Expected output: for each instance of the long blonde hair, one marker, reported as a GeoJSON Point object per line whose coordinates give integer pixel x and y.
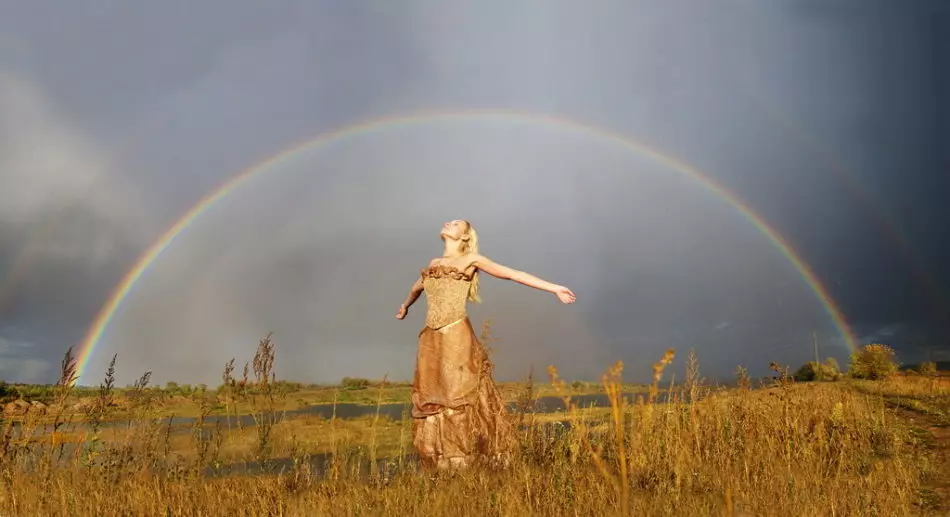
{"type": "Point", "coordinates": [471, 246]}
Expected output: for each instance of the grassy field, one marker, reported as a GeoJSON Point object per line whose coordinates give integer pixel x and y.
{"type": "Point", "coordinates": [189, 401]}
{"type": "Point", "coordinates": [848, 447]}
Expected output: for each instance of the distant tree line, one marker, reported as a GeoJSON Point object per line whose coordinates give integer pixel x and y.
{"type": "Point", "coordinates": [872, 362]}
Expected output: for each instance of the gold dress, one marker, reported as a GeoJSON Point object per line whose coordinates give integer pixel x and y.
{"type": "Point", "coordinates": [458, 414]}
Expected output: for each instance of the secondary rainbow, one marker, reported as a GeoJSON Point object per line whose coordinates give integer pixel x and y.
{"type": "Point", "coordinates": [101, 323]}
{"type": "Point", "coordinates": [884, 218]}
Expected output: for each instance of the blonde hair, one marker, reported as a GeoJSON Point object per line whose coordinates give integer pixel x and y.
{"type": "Point", "coordinates": [471, 246]}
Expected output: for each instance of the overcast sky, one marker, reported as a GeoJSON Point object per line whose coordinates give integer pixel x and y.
{"type": "Point", "coordinates": [828, 118]}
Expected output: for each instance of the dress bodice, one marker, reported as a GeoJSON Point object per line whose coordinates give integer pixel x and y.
{"type": "Point", "coordinates": [446, 289]}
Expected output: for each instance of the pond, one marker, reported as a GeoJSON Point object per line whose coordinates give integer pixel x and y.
{"type": "Point", "coordinates": [399, 411]}
{"type": "Point", "coordinates": [393, 411]}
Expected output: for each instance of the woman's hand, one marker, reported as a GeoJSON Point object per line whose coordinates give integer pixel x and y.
{"type": "Point", "coordinates": [564, 294]}
{"type": "Point", "coordinates": [402, 312]}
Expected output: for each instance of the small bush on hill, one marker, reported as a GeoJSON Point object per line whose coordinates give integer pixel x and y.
{"type": "Point", "coordinates": [873, 362]}
{"type": "Point", "coordinates": [812, 371]}
{"type": "Point", "coordinates": [355, 383]}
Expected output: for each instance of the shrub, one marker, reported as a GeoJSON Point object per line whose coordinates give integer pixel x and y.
{"type": "Point", "coordinates": [831, 369]}
{"type": "Point", "coordinates": [812, 371]}
{"type": "Point", "coordinates": [927, 368]}
{"type": "Point", "coordinates": [873, 361]}
{"type": "Point", "coordinates": [8, 393]}
{"type": "Point", "coordinates": [355, 383]}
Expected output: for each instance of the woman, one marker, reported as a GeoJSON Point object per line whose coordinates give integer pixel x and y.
{"type": "Point", "coordinates": [457, 411]}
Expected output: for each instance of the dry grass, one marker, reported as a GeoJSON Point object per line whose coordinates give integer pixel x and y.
{"type": "Point", "coordinates": [791, 449]}
{"type": "Point", "coordinates": [927, 395]}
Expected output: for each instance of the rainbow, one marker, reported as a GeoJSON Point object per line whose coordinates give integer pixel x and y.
{"type": "Point", "coordinates": [107, 313]}
{"type": "Point", "coordinates": [884, 219]}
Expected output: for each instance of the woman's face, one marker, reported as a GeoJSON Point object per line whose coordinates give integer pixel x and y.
{"type": "Point", "coordinates": [454, 229]}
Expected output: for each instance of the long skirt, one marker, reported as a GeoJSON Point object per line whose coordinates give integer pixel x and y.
{"type": "Point", "coordinates": [458, 414]}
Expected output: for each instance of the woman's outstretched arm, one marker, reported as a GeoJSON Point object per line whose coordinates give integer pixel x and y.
{"type": "Point", "coordinates": [414, 292]}
{"type": "Point", "coordinates": [506, 273]}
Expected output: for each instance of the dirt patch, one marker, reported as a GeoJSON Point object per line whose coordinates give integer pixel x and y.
{"type": "Point", "coordinates": [933, 435]}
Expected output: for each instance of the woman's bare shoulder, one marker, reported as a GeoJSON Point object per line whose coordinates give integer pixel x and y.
{"type": "Point", "coordinates": [476, 259]}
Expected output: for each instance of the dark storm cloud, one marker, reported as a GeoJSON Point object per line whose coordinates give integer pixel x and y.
{"type": "Point", "coordinates": [133, 113]}
{"type": "Point", "coordinates": [63, 223]}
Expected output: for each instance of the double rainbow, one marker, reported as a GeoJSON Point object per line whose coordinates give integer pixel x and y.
{"type": "Point", "coordinates": [101, 323]}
